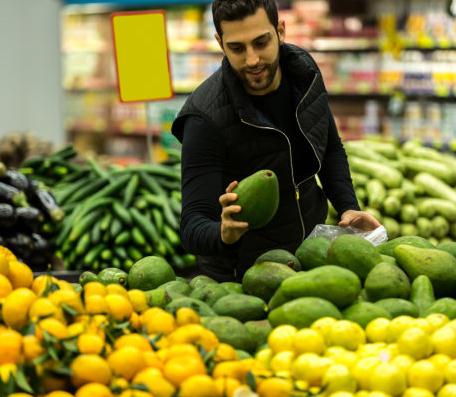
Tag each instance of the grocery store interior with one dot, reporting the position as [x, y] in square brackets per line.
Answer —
[102, 294]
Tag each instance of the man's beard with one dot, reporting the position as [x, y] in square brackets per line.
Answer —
[262, 81]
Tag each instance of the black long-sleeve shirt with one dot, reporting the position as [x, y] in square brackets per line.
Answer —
[203, 152]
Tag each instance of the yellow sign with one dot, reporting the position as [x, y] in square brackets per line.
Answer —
[141, 53]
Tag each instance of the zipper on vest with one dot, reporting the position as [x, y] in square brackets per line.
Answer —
[291, 165]
[302, 132]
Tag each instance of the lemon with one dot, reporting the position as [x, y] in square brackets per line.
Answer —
[310, 367]
[440, 361]
[281, 338]
[417, 392]
[389, 379]
[323, 326]
[346, 334]
[370, 349]
[450, 372]
[338, 378]
[281, 361]
[403, 361]
[119, 307]
[397, 326]
[362, 393]
[339, 355]
[452, 324]
[437, 320]
[425, 374]
[447, 391]
[415, 342]
[264, 357]
[424, 325]
[342, 394]
[444, 341]
[138, 299]
[362, 371]
[15, 307]
[376, 393]
[377, 330]
[308, 340]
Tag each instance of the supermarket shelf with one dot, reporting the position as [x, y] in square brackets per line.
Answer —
[133, 3]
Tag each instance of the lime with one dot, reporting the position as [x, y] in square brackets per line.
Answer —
[112, 275]
[149, 273]
[87, 277]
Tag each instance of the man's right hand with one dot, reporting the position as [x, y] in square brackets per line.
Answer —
[231, 230]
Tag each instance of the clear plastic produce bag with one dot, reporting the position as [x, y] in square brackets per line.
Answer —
[376, 236]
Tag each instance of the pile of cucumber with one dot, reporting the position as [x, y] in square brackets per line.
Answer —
[116, 216]
[409, 188]
[28, 215]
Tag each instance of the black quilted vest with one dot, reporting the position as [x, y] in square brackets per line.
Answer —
[252, 143]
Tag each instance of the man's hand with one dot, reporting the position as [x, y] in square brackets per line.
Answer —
[359, 219]
[231, 230]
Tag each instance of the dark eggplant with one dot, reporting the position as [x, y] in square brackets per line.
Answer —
[30, 217]
[17, 180]
[7, 215]
[13, 195]
[21, 245]
[40, 244]
[46, 201]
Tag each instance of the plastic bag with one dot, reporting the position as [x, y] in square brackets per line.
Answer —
[376, 236]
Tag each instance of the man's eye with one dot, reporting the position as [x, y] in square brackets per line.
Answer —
[236, 49]
[261, 44]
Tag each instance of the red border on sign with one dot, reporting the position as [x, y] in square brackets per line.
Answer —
[113, 15]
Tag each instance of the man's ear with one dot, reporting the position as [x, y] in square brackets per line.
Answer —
[219, 41]
[281, 31]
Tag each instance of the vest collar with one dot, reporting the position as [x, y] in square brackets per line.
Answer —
[297, 65]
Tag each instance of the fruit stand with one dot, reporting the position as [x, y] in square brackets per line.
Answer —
[97, 298]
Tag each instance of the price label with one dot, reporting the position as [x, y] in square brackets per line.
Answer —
[141, 55]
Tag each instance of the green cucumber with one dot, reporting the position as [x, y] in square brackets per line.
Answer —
[122, 238]
[130, 190]
[145, 226]
[121, 212]
[137, 236]
[83, 243]
[93, 254]
[84, 225]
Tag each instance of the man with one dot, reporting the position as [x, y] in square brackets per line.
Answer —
[265, 108]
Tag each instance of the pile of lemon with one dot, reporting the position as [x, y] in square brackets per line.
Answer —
[409, 357]
[102, 341]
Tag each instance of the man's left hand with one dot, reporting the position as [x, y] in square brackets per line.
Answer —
[359, 219]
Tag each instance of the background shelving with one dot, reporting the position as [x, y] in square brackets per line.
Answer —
[387, 65]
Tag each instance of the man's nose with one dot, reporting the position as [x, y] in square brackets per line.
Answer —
[252, 57]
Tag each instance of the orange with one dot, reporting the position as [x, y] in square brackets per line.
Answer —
[151, 360]
[225, 352]
[4, 261]
[95, 304]
[20, 275]
[10, 347]
[126, 362]
[6, 371]
[15, 307]
[194, 334]
[226, 386]
[42, 283]
[135, 393]
[94, 288]
[90, 343]
[198, 386]
[177, 351]
[94, 390]
[43, 307]
[275, 387]
[117, 289]
[67, 297]
[135, 340]
[88, 368]
[138, 299]
[186, 315]
[233, 369]
[5, 286]
[53, 327]
[58, 393]
[156, 320]
[31, 347]
[119, 307]
[157, 385]
[178, 369]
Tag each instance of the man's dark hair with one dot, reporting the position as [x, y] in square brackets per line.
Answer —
[235, 10]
